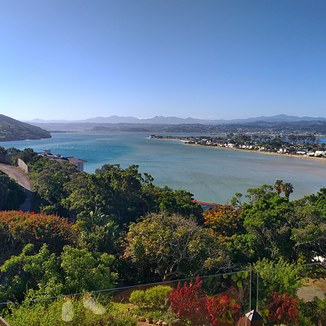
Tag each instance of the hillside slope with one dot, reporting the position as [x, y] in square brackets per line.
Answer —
[11, 129]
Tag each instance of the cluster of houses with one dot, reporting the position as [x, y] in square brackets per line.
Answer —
[279, 147]
[285, 149]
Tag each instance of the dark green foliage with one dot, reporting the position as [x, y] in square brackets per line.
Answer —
[267, 232]
[177, 202]
[111, 191]
[309, 225]
[48, 178]
[124, 195]
[11, 129]
[11, 194]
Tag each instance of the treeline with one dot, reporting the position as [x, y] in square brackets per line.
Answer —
[115, 227]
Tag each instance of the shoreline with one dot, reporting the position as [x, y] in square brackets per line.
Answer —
[184, 142]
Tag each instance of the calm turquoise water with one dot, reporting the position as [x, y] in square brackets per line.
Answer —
[211, 174]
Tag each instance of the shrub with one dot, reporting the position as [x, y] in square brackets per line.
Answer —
[222, 310]
[187, 301]
[50, 314]
[19, 228]
[138, 298]
[283, 309]
[313, 310]
[155, 297]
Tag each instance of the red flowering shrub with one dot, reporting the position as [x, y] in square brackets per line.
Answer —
[222, 310]
[191, 303]
[283, 309]
[18, 228]
[187, 301]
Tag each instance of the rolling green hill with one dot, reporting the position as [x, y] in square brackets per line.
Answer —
[11, 129]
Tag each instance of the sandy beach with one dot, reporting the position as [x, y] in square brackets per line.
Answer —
[320, 159]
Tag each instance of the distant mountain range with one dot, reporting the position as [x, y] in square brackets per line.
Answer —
[11, 129]
[178, 121]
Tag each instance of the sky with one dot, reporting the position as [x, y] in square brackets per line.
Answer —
[212, 59]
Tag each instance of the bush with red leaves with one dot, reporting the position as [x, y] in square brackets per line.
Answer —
[188, 301]
[283, 309]
[222, 310]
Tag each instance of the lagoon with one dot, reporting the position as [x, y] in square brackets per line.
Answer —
[211, 174]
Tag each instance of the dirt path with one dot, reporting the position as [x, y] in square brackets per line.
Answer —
[23, 180]
[17, 174]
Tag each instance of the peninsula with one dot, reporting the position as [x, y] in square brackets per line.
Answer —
[305, 145]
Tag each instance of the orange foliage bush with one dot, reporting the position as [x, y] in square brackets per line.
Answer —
[224, 219]
[18, 228]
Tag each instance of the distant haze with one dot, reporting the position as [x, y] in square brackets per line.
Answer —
[178, 120]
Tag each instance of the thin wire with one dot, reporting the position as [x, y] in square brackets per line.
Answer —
[150, 284]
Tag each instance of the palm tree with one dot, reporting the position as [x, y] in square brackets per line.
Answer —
[278, 186]
[287, 189]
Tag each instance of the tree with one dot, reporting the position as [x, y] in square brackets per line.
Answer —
[287, 188]
[44, 273]
[177, 202]
[48, 178]
[263, 192]
[86, 271]
[278, 276]
[163, 246]
[308, 225]
[28, 271]
[224, 219]
[111, 191]
[11, 194]
[278, 186]
[267, 232]
[17, 229]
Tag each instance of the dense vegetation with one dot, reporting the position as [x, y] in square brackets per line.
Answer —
[114, 228]
[11, 129]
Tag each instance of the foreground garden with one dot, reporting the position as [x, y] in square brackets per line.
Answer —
[111, 248]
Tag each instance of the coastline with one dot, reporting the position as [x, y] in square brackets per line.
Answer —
[184, 142]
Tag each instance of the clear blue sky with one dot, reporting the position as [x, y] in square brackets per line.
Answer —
[75, 59]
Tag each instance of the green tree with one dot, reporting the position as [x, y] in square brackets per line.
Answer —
[278, 276]
[111, 191]
[26, 271]
[278, 186]
[44, 273]
[86, 271]
[287, 189]
[267, 232]
[177, 202]
[263, 192]
[165, 246]
[308, 224]
[48, 178]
